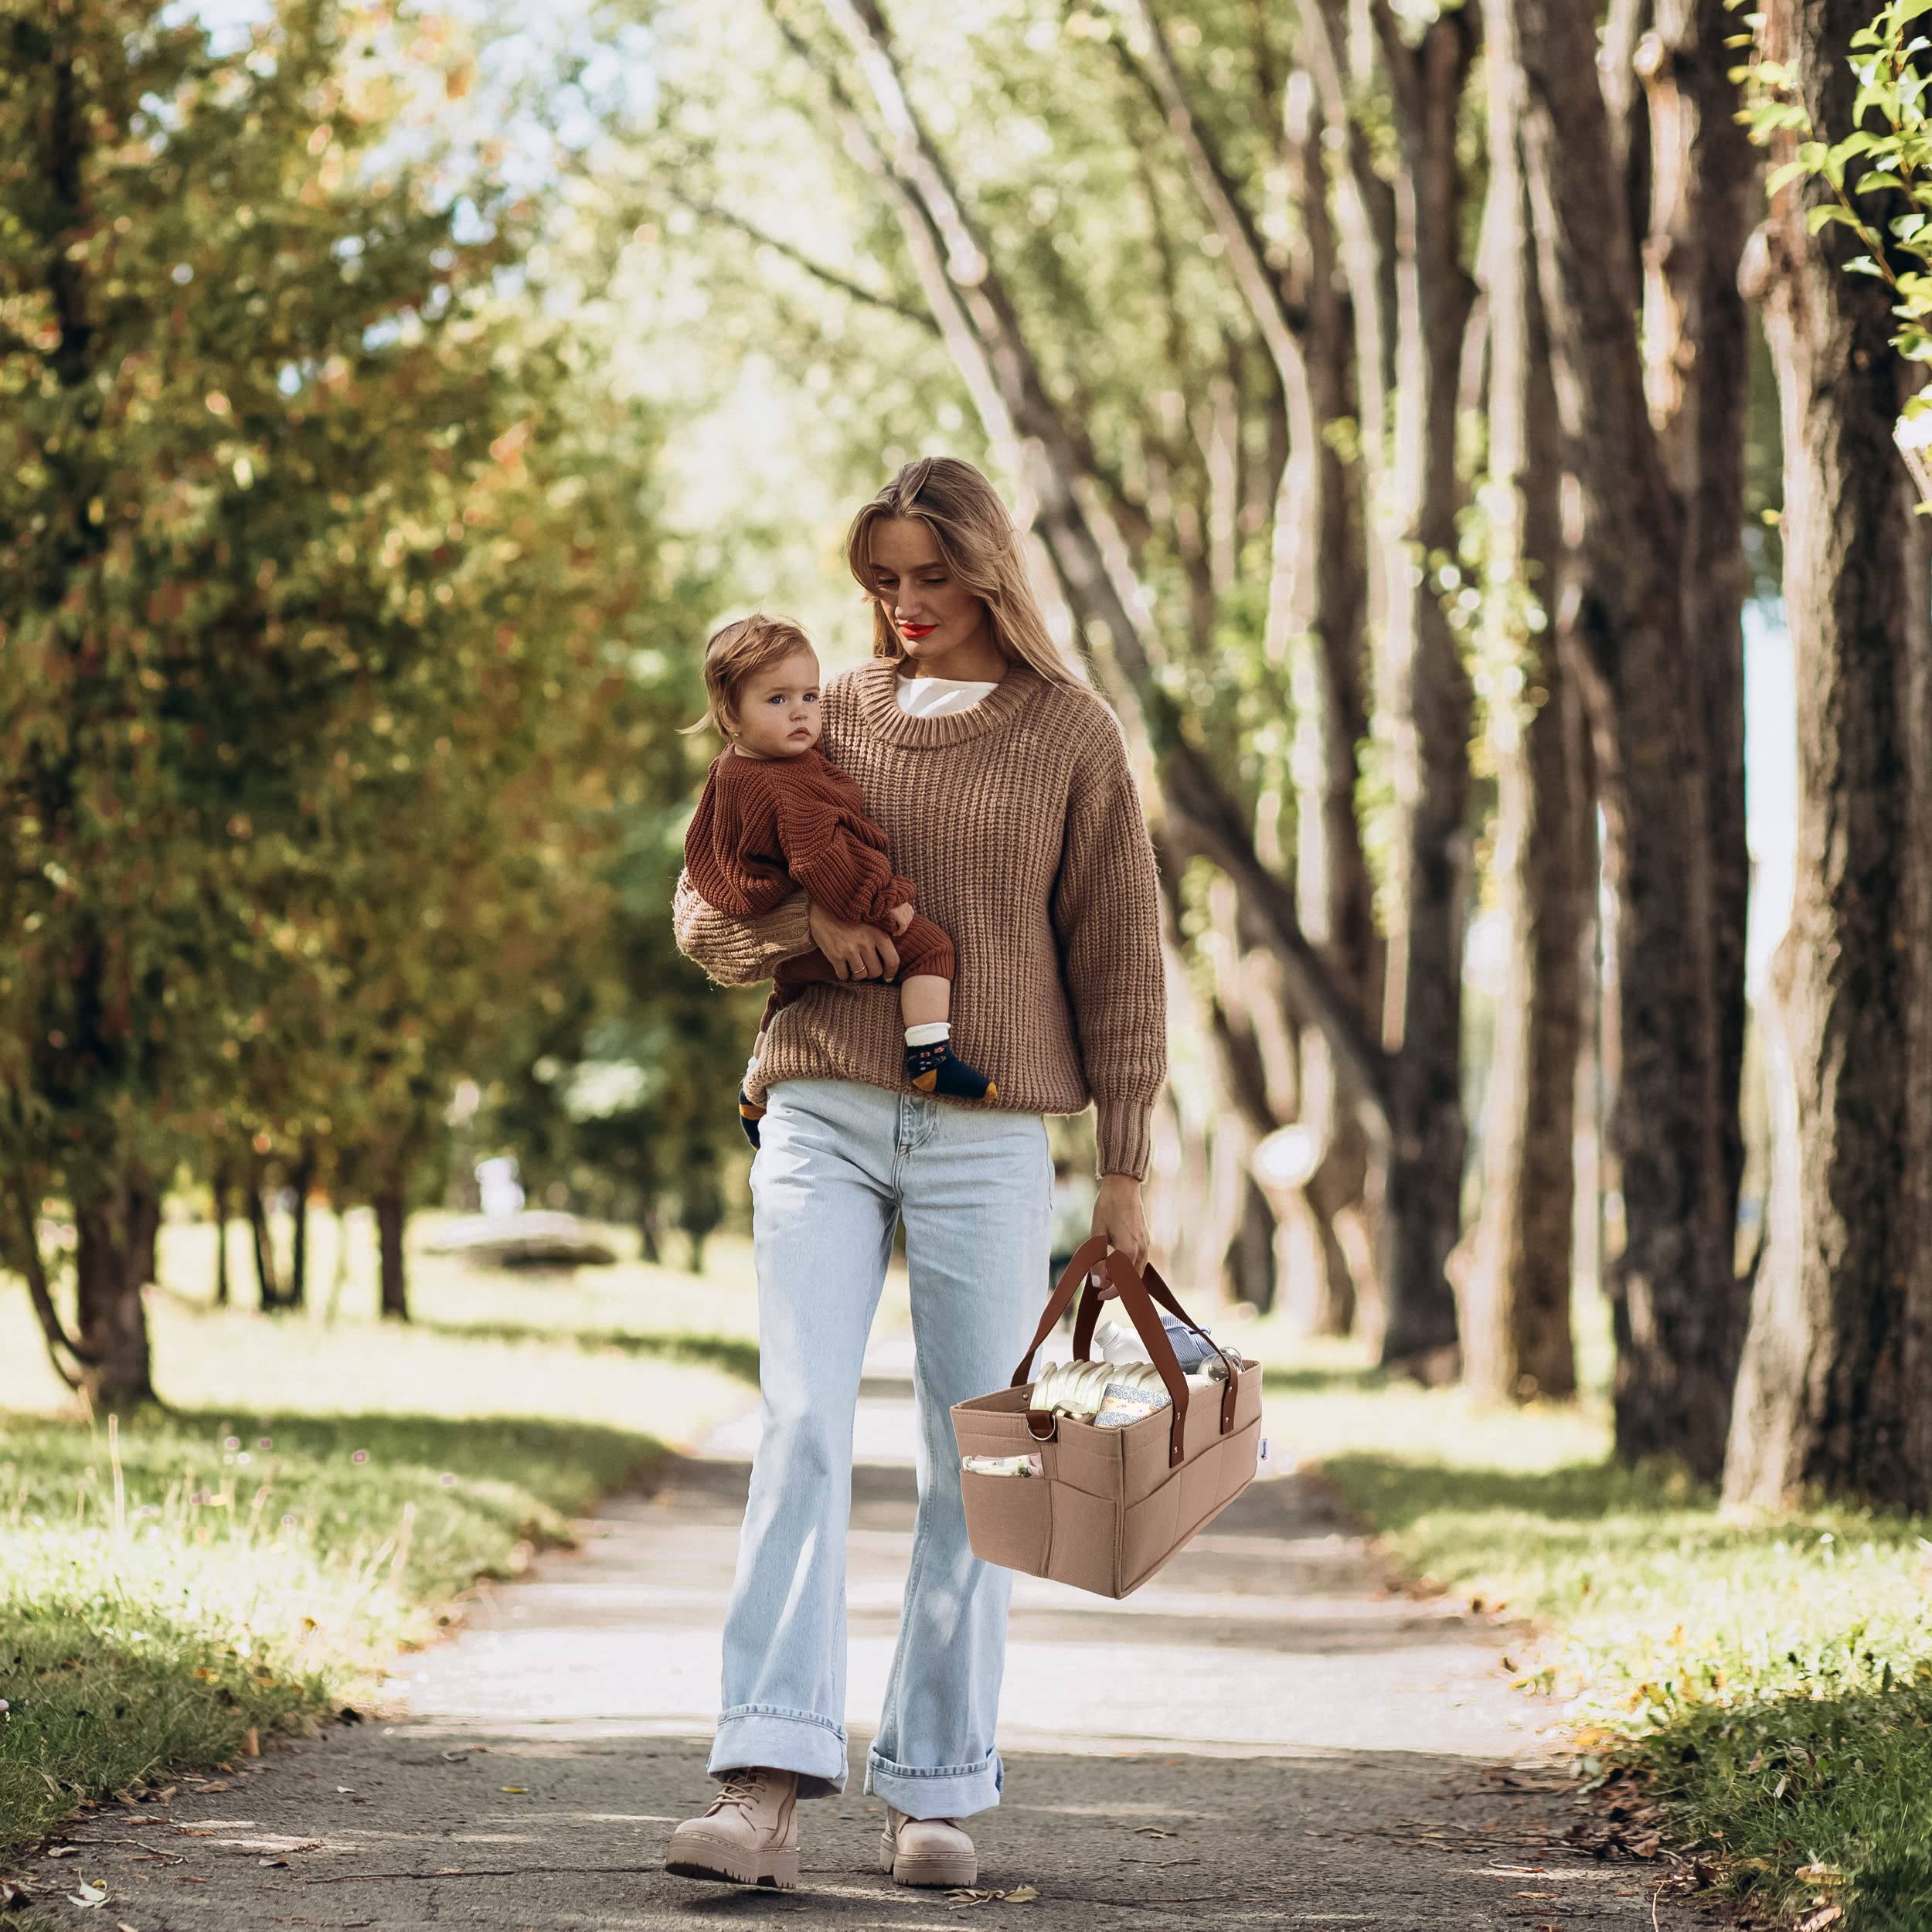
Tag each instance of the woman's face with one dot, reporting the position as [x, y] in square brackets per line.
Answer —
[933, 612]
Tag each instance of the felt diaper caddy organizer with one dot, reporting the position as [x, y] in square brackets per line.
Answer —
[1103, 1508]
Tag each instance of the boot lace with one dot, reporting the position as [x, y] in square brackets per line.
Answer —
[740, 1792]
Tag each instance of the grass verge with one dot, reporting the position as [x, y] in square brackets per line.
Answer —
[1769, 1677]
[227, 1571]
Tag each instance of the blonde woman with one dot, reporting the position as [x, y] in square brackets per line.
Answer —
[1002, 785]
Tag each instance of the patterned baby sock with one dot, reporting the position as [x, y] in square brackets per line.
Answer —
[750, 1115]
[933, 1067]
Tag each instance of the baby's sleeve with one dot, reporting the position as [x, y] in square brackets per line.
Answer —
[722, 860]
[841, 873]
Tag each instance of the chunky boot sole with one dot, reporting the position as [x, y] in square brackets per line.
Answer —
[698, 1855]
[952, 1871]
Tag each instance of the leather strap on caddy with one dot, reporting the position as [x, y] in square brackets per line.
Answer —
[1089, 1315]
[1138, 1297]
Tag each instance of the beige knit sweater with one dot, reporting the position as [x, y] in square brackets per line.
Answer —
[1019, 823]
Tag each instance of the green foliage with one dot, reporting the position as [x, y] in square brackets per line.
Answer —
[1877, 176]
[345, 659]
[257, 1572]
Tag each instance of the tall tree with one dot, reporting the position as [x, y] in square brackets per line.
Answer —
[1831, 1391]
[1412, 299]
[1316, 604]
[1649, 568]
[1515, 1285]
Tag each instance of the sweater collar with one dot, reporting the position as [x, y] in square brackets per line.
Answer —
[876, 685]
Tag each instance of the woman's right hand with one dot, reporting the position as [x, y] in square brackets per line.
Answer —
[855, 951]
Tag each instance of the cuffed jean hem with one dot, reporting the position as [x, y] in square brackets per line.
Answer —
[957, 1791]
[782, 1741]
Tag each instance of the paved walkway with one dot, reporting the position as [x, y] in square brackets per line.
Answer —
[1266, 1735]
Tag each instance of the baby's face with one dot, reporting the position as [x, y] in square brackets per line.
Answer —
[777, 714]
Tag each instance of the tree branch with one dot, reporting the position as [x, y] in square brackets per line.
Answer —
[712, 211]
[1280, 324]
[39, 1292]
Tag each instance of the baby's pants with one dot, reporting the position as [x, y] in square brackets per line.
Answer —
[923, 947]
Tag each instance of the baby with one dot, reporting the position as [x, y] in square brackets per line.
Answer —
[777, 816]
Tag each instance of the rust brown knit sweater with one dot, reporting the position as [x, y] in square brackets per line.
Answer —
[1019, 822]
[766, 827]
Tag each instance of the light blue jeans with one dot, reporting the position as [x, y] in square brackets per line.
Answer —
[838, 1165]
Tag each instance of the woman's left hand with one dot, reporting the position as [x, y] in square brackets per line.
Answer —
[1119, 1216]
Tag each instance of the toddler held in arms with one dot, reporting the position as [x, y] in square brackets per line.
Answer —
[776, 816]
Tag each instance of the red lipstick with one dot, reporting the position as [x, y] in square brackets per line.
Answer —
[916, 631]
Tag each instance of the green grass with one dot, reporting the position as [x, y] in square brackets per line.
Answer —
[257, 1572]
[264, 1586]
[1770, 1676]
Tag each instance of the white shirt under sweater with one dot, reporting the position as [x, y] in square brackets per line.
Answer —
[941, 697]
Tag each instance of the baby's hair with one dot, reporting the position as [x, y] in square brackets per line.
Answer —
[741, 651]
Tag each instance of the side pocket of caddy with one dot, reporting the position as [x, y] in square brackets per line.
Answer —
[1008, 1519]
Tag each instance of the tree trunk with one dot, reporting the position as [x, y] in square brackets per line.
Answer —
[111, 1233]
[1423, 697]
[1245, 1266]
[144, 1228]
[1696, 333]
[218, 1189]
[1412, 300]
[301, 1180]
[1676, 1302]
[1516, 1286]
[1831, 1391]
[1323, 612]
[1316, 593]
[390, 1215]
[268, 1291]
[650, 1240]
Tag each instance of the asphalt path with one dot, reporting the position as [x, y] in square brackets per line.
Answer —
[1274, 1732]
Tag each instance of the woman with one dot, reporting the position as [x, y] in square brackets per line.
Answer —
[1002, 783]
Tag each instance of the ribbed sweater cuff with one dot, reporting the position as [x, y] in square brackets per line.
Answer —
[789, 925]
[1122, 1129]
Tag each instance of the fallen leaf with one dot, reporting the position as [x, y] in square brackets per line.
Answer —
[1818, 1920]
[449, 1872]
[1152, 1830]
[252, 1743]
[125, 1927]
[1020, 1895]
[515, 1790]
[964, 1896]
[283, 1862]
[88, 1896]
[63, 1851]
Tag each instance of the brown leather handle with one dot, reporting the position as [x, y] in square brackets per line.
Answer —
[1158, 1290]
[1138, 1297]
[1087, 1256]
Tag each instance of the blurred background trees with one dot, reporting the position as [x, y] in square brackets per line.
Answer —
[1391, 396]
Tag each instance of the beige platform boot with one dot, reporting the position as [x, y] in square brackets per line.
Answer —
[750, 1836]
[926, 1851]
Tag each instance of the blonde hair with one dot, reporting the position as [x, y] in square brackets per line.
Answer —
[977, 540]
[741, 651]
